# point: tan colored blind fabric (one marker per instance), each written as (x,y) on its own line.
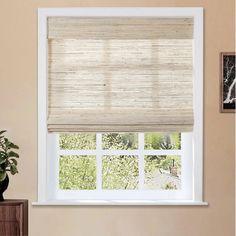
(120,74)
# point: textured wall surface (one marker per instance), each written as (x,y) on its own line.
(18,103)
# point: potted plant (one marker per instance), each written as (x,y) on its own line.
(8,162)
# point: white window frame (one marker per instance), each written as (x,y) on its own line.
(121,195)
(47,141)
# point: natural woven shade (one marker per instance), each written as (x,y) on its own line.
(120,74)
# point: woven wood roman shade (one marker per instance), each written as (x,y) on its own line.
(120,74)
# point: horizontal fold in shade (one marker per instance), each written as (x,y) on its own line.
(120,74)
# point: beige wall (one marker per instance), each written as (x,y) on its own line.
(18,104)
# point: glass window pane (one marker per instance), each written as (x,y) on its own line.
(119,172)
(77,141)
(77,172)
(162,172)
(120,141)
(162,141)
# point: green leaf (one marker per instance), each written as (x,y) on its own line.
(2,131)
(13,169)
(13,154)
(3,154)
(6,140)
(2,161)
(13,161)
(12,145)
(3,175)
(6,143)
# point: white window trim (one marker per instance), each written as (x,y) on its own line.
(44,138)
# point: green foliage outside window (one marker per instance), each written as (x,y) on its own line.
(118,172)
(77,172)
(120,141)
(162,141)
(82,141)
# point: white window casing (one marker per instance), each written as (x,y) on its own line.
(192,142)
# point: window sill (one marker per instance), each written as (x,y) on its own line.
(118,202)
